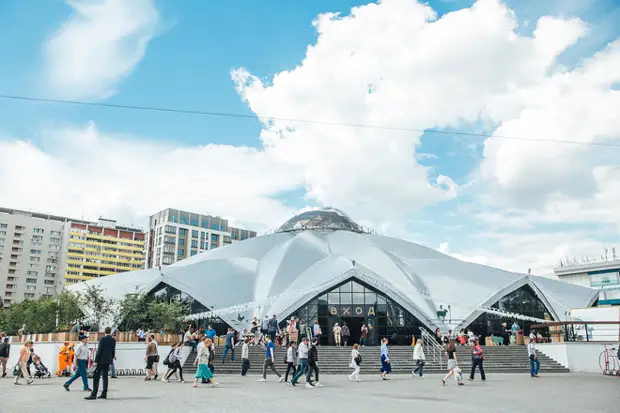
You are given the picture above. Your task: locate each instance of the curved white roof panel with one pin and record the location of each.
(286, 269)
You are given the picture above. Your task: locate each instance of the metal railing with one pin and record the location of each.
(581, 331)
(432, 347)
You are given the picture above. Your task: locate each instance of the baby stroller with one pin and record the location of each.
(40, 371)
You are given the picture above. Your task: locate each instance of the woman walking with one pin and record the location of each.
(202, 360)
(477, 358)
(452, 363)
(290, 361)
(386, 367)
(174, 363)
(24, 355)
(356, 362)
(419, 358)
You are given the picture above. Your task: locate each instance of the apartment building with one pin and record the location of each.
(101, 248)
(31, 256)
(39, 253)
(175, 235)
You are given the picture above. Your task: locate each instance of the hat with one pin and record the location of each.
(83, 336)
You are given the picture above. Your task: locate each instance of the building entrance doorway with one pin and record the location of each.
(355, 327)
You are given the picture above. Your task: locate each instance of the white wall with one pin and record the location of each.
(129, 356)
(578, 357)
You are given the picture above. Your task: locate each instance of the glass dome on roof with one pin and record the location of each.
(321, 219)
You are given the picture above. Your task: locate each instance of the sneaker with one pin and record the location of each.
(317, 384)
(461, 384)
(309, 386)
(214, 384)
(350, 378)
(421, 377)
(66, 386)
(293, 383)
(358, 380)
(443, 382)
(29, 381)
(471, 379)
(281, 379)
(262, 380)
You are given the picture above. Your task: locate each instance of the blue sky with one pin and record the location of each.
(191, 49)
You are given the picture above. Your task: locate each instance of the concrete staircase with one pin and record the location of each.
(335, 360)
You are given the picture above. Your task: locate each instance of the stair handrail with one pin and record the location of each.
(431, 345)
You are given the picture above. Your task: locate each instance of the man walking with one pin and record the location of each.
(104, 357)
(346, 333)
(302, 359)
(229, 345)
(270, 360)
(534, 362)
(80, 361)
(5, 351)
(313, 365)
(245, 357)
(273, 328)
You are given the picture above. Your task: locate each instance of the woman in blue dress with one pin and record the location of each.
(386, 368)
(202, 360)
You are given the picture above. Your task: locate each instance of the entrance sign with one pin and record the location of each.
(367, 310)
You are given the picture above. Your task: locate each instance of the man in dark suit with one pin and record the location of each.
(104, 358)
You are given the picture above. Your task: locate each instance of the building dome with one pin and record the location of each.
(329, 219)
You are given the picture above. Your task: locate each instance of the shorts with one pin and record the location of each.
(149, 362)
(451, 364)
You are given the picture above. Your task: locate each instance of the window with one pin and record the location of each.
(182, 241)
(19, 228)
(31, 288)
(213, 246)
(55, 233)
(31, 280)
(49, 282)
(194, 252)
(3, 226)
(167, 260)
(182, 232)
(214, 238)
(194, 243)
(181, 252)
(168, 249)
(203, 245)
(203, 235)
(169, 239)
(183, 218)
(194, 233)
(52, 261)
(51, 268)
(52, 275)
(35, 252)
(2, 233)
(28, 295)
(55, 240)
(171, 229)
(54, 247)
(193, 220)
(32, 273)
(173, 215)
(36, 230)
(33, 265)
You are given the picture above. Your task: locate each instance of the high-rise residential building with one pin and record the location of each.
(601, 274)
(175, 235)
(102, 248)
(39, 253)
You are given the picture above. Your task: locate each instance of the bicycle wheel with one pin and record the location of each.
(603, 362)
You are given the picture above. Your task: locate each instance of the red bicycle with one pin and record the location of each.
(609, 362)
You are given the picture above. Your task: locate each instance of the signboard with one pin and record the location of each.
(352, 310)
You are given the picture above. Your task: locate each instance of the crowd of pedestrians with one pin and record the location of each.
(302, 361)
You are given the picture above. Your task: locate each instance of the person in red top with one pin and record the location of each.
(477, 358)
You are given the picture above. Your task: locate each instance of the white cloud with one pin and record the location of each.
(99, 44)
(394, 64)
(82, 171)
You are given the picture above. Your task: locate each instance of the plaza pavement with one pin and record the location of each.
(573, 393)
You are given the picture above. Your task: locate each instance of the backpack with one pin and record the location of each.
(172, 357)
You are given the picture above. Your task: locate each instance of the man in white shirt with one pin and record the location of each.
(534, 362)
(245, 357)
(80, 361)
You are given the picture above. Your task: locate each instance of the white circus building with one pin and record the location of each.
(322, 266)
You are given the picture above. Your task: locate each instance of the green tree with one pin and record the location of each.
(167, 316)
(96, 306)
(68, 310)
(131, 312)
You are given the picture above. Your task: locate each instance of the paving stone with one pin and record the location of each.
(507, 393)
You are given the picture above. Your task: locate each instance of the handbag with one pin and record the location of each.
(17, 371)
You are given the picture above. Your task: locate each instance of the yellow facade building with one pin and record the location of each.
(96, 250)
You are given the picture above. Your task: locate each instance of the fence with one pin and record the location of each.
(581, 331)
